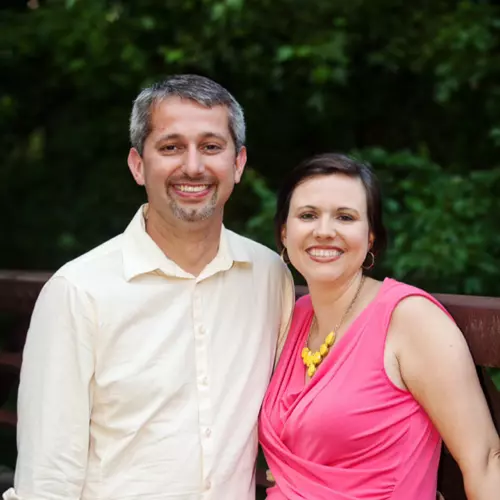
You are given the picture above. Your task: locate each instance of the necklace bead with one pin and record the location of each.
(330, 339)
(313, 359)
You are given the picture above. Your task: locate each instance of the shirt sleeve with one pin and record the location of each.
(54, 399)
(288, 302)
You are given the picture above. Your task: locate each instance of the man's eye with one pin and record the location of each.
(169, 148)
(211, 147)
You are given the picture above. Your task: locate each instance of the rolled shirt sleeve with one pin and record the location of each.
(55, 397)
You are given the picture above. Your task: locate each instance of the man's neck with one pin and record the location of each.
(191, 245)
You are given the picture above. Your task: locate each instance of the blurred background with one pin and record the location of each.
(411, 87)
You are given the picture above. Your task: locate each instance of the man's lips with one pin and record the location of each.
(189, 190)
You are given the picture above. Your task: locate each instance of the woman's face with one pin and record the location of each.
(327, 233)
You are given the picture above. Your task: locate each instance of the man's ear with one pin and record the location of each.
(136, 166)
(239, 165)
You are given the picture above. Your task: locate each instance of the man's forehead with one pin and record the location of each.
(175, 104)
(176, 114)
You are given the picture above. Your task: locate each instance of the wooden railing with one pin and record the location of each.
(478, 318)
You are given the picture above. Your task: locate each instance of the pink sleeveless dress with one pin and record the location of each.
(350, 434)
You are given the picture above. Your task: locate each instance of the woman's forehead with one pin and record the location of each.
(328, 190)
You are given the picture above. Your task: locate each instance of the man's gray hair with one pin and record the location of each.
(194, 87)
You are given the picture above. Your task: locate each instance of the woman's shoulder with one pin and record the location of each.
(302, 311)
(303, 306)
(414, 305)
(398, 291)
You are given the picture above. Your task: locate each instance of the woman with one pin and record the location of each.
(372, 373)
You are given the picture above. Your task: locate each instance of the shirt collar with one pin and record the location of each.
(141, 255)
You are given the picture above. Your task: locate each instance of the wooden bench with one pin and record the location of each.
(18, 293)
(478, 318)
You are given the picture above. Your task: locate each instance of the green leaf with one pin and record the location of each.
(495, 376)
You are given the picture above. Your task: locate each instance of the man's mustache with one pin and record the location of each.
(192, 180)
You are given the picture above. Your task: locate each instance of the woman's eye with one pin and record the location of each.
(307, 216)
(346, 218)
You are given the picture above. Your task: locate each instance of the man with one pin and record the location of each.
(148, 357)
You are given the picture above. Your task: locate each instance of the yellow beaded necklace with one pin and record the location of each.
(313, 359)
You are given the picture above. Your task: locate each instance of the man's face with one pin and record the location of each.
(189, 164)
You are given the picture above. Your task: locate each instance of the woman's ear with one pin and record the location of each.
(283, 235)
(371, 241)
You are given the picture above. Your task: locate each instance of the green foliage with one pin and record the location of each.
(411, 88)
(495, 376)
(443, 224)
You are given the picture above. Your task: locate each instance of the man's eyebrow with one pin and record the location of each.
(203, 135)
(207, 135)
(167, 137)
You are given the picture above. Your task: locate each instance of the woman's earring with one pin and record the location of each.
(367, 268)
(284, 256)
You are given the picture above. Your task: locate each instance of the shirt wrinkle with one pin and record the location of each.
(141, 254)
(151, 387)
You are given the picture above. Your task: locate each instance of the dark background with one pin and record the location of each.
(412, 87)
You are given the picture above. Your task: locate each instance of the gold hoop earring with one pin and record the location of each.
(284, 256)
(364, 266)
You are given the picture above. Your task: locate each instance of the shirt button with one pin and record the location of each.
(201, 329)
(208, 432)
(208, 484)
(204, 381)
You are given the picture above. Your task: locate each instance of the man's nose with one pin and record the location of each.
(193, 165)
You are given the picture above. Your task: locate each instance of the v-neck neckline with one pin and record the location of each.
(306, 382)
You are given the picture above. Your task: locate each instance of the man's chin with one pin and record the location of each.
(193, 214)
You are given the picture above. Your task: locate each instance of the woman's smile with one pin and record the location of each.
(324, 254)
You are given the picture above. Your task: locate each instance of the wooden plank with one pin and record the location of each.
(8, 418)
(260, 478)
(479, 320)
(450, 481)
(19, 290)
(10, 362)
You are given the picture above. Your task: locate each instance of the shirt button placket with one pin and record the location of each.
(202, 339)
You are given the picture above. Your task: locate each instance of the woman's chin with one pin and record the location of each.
(321, 278)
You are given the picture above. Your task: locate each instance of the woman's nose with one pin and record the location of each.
(325, 229)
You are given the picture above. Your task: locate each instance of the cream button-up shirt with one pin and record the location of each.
(142, 382)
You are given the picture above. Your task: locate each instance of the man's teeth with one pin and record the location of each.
(192, 189)
(320, 252)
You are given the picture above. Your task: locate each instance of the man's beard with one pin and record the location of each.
(194, 214)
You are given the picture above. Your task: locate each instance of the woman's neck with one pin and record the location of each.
(331, 301)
